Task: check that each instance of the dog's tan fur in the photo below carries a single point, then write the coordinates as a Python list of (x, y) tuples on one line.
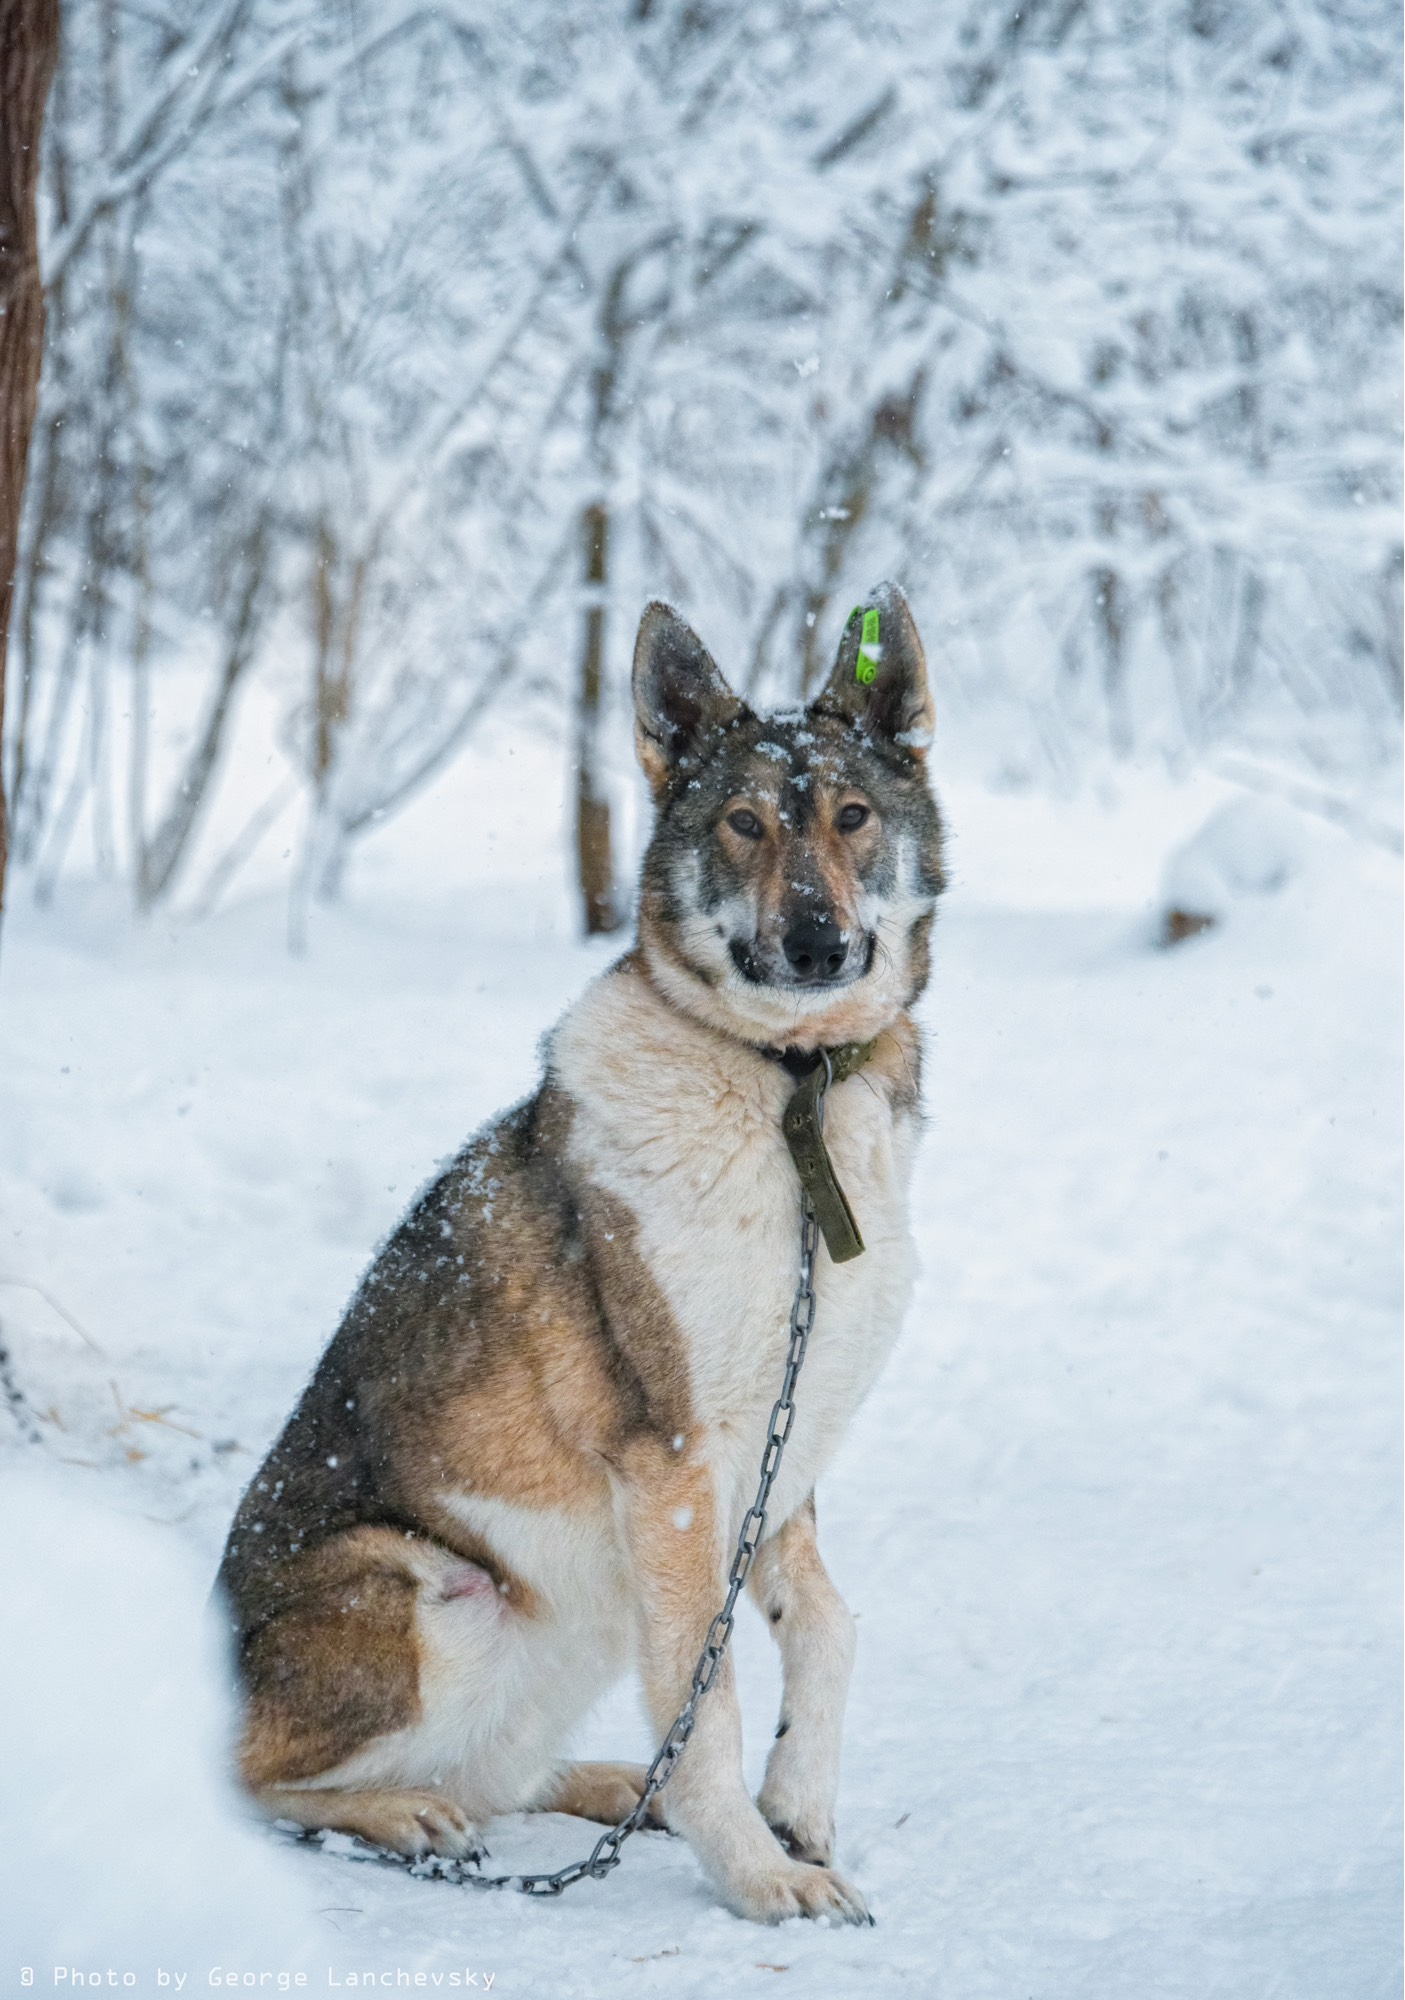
[(524, 1459)]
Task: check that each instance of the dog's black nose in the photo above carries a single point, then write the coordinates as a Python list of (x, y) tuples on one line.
[(816, 949)]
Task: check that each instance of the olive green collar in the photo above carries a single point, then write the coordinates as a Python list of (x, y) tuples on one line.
[(803, 1124), (844, 1059)]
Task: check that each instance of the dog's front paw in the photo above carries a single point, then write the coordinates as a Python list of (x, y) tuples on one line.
[(798, 1889), (798, 1808), (809, 1837)]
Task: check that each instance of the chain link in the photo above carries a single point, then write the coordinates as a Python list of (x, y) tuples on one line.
[(605, 1855)]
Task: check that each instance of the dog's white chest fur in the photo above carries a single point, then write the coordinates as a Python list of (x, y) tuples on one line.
[(684, 1127)]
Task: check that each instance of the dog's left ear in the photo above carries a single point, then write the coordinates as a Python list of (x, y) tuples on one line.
[(879, 680), (680, 698)]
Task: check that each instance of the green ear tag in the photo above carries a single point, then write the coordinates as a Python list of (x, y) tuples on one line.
[(866, 669)]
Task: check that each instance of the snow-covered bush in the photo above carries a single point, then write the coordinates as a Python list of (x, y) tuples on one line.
[(1249, 848)]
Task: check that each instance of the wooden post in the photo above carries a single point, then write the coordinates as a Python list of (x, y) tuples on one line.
[(29, 45), (594, 861)]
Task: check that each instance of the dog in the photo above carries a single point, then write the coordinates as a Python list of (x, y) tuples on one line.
[(523, 1461)]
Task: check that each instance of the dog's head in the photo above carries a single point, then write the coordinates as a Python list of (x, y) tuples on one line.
[(791, 881)]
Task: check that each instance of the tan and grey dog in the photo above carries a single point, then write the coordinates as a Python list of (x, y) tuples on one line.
[(523, 1461)]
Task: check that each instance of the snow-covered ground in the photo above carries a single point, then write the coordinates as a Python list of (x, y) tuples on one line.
[(1121, 1522)]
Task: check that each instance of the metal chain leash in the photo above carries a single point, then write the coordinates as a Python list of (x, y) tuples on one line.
[(605, 1855)]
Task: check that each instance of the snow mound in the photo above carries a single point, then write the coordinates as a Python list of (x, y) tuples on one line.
[(119, 1840), (1248, 848)]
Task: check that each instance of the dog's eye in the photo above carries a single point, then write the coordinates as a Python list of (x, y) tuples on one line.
[(745, 823), (851, 818)]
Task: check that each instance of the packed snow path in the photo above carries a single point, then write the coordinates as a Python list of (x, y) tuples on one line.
[(1120, 1523)]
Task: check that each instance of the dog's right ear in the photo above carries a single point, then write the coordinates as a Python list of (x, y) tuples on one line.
[(680, 698)]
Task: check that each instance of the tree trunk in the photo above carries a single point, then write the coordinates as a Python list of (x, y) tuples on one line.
[(159, 858), (29, 44), (595, 864)]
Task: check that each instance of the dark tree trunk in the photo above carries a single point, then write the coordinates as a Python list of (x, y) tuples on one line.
[(595, 863), (29, 44)]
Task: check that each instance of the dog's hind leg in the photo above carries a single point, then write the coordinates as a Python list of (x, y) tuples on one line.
[(372, 1700), (407, 1822), (815, 1632), (607, 1793)]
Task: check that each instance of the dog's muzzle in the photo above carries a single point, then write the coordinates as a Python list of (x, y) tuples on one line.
[(815, 951), (814, 954)]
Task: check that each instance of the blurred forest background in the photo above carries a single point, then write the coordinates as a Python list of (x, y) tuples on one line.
[(396, 353)]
